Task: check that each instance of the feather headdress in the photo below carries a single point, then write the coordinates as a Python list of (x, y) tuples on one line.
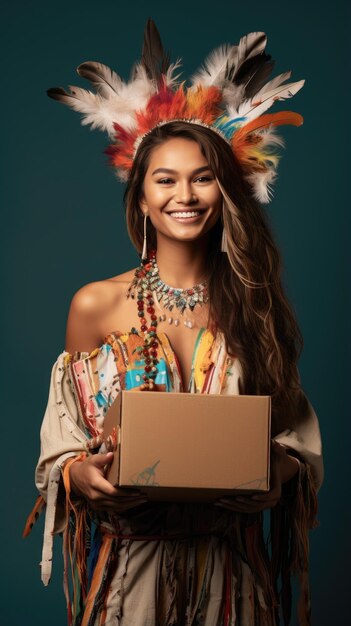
[(229, 94)]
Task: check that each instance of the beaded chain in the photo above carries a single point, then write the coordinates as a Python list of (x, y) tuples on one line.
[(145, 284), (149, 349)]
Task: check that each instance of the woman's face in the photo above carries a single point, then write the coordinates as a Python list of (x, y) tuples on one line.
[(180, 193)]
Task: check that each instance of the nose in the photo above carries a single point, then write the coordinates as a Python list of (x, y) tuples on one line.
[(185, 193)]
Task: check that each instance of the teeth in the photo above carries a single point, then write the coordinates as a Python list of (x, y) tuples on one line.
[(185, 213)]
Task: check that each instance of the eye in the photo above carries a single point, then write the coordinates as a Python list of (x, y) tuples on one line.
[(203, 179), (165, 181)]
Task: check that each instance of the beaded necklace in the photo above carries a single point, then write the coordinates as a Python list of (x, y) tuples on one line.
[(146, 285), (172, 297)]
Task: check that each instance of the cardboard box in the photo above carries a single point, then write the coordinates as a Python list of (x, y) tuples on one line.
[(189, 447)]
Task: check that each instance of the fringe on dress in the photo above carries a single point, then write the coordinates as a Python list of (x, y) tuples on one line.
[(258, 572)]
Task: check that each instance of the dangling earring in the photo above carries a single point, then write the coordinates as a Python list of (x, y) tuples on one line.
[(224, 242), (144, 252)]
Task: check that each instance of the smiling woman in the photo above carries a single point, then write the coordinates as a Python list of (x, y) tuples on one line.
[(183, 197), (204, 312)]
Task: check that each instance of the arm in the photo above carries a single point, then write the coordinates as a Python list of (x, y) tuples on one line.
[(289, 466), (303, 438), (87, 478), (63, 432), (61, 438)]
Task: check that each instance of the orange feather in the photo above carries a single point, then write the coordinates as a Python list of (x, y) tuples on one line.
[(274, 119)]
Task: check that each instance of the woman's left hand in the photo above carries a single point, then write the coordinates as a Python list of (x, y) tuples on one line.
[(259, 502)]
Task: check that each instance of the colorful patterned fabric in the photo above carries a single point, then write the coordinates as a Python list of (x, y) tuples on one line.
[(169, 563)]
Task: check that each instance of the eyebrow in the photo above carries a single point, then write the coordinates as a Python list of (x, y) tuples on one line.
[(168, 171)]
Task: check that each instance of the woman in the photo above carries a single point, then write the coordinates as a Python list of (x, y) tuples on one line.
[(205, 313)]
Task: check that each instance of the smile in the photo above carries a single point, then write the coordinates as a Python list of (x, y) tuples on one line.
[(185, 215)]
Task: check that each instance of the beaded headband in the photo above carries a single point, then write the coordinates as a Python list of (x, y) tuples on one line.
[(229, 95)]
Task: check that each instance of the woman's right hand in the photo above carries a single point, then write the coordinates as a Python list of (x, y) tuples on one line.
[(88, 480)]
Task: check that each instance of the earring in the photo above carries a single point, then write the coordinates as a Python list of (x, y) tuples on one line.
[(144, 252), (224, 242)]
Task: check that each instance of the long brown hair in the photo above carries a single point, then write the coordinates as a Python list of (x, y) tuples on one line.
[(247, 301)]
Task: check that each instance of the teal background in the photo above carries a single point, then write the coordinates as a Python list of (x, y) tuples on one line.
[(63, 226)]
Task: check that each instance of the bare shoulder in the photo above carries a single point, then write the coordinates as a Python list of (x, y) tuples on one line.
[(89, 306)]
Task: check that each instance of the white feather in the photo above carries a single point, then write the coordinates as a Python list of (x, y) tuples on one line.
[(275, 82), (249, 46), (253, 108), (228, 59), (132, 97), (122, 174), (106, 81), (261, 184), (97, 111), (233, 94), (117, 103), (172, 81), (92, 106), (269, 137), (214, 67)]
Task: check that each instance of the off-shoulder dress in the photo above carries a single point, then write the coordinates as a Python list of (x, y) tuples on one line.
[(170, 564)]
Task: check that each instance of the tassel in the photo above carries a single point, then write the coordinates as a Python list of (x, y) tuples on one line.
[(304, 512), (228, 590), (95, 542), (105, 569), (290, 524), (74, 546), (258, 560), (38, 508)]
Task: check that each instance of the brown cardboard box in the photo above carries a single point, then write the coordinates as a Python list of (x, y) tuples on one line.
[(189, 447)]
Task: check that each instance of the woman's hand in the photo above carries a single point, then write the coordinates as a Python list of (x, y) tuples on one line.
[(88, 480), (259, 502)]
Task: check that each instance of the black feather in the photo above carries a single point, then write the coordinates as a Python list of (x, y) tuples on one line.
[(97, 73), (101, 76), (254, 73), (87, 70), (257, 41), (57, 93), (154, 59)]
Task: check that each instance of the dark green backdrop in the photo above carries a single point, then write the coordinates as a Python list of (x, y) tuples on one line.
[(63, 226)]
